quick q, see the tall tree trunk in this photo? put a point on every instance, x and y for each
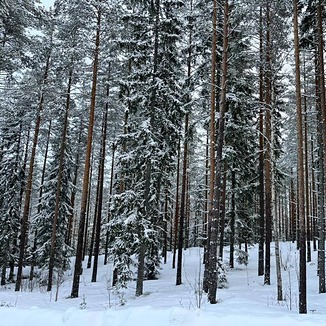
(207, 255)
(183, 199)
(322, 144)
(28, 192)
(306, 165)
(301, 194)
(261, 154)
(268, 131)
(59, 184)
(212, 287)
(79, 250)
(101, 185)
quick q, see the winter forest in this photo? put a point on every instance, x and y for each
(134, 130)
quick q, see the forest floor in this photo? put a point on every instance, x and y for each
(245, 301)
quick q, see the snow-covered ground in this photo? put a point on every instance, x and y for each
(246, 301)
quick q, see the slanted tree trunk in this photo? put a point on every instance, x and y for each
(28, 192)
(301, 194)
(79, 250)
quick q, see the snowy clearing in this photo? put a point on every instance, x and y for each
(246, 301)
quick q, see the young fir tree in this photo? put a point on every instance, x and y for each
(12, 181)
(43, 221)
(152, 100)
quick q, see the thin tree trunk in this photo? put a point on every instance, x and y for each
(306, 165)
(301, 199)
(293, 210)
(73, 194)
(176, 214)
(268, 129)
(28, 193)
(206, 193)
(101, 185)
(182, 202)
(313, 195)
(165, 228)
(261, 155)
(322, 159)
(79, 250)
(232, 219)
(91, 244)
(88, 214)
(278, 259)
(222, 217)
(187, 208)
(110, 201)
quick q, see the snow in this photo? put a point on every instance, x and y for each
(246, 301)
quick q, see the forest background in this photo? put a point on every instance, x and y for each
(136, 128)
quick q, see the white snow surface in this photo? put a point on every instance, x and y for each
(246, 301)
